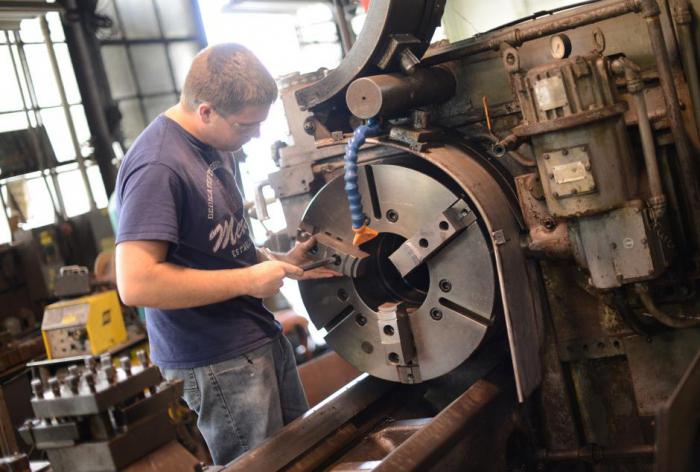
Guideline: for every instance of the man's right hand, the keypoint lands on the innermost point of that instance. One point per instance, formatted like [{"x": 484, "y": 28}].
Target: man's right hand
[{"x": 267, "y": 277}]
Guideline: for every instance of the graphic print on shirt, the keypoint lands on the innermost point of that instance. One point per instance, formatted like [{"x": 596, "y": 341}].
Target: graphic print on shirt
[{"x": 229, "y": 233}]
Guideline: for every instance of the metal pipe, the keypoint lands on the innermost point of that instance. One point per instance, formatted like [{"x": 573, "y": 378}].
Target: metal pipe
[
  {"x": 688, "y": 177},
  {"x": 683, "y": 18},
  {"x": 91, "y": 100},
  {"x": 429, "y": 442},
  {"x": 66, "y": 109},
  {"x": 596, "y": 454},
  {"x": 58, "y": 205},
  {"x": 672, "y": 321},
  {"x": 635, "y": 86},
  {"x": 518, "y": 35}
]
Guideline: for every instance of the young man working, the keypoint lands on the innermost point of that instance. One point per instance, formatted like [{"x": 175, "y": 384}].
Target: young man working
[{"x": 184, "y": 251}]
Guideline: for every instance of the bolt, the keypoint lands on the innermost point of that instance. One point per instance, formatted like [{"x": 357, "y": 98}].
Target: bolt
[
  {"x": 38, "y": 388},
  {"x": 110, "y": 374},
  {"x": 555, "y": 194},
  {"x": 574, "y": 191},
  {"x": 142, "y": 357},
  {"x": 436, "y": 314},
  {"x": 73, "y": 370},
  {"x": 105, "y": 360},
  {"x": 392, "y": 215},
  {"x": 565, "y": 152},
  {"x": 551, "y": 175},
  {"x": 587, "y": 166},
  {"x": 90, "y": 364},
  {"x": 309, "y": 126},
  {"x": 546, "y": 156},
  {"x": 549, "y": 223},
  {"x": 72, "y": 382},
  {"x": 55, "y": 387},
  {"x": 360, "y": 320},
  {"x": 90, "y": 380},
  {"x": 445, "y": 285},
  {"x": 126, "y": 364}
]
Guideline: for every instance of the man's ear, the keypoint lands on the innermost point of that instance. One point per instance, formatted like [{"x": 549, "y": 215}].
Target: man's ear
[{"x": 205, "y": 112}]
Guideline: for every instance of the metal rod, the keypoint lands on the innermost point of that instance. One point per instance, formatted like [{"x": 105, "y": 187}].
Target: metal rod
[
  {"x": 596, "y": 454},
  {"x": 58, "y": 205},
  {"x": 428, "y": 443},
  {"x": 688, "y": 177},
  {"x": 299, "y": 437},
  {"x": 91, "y": 101},
  {"x": 684, "y": 19},
  {"x": 66, "y": 109}
]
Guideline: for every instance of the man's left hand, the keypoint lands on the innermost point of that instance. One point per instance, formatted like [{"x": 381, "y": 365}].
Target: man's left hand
[{"x": 298, "y": 256}]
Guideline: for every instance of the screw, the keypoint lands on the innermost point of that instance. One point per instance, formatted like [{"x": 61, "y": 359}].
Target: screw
[
  {"x": 549, "y": 223},
  {"x": 565, "y": 152},
  {"x": 436, "y": 314},
  {"x": 555, "y": 194},
  {"x": 392, "y": 215},
  {"x": 445, "y": 285},
  {"x": 73, "y": 370},
  {"x": 309, "y": 126},
  {"x": 360, "y": 320},
  {"x": 546, "y": 156}
]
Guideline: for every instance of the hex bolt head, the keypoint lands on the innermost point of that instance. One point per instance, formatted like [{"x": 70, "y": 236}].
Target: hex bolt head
[
  {"x": 73, "y": 370},
  {"x": 436, "y": 314},
  {"x": 445, "y": 285},
  {"x": 38, "y": 388},
  {"x": 361, "y": 320}
]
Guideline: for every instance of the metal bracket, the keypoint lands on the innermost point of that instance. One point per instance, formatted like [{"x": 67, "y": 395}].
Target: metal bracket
[
  {"x": 397, "y": 340},
  {"x": 431, "y": 237}
]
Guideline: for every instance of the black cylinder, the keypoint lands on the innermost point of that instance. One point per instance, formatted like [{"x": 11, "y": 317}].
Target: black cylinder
[{"x": 390, "y": 95}]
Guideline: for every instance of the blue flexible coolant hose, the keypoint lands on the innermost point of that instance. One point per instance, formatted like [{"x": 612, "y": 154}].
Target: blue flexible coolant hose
[{"x": 354, "y": 198}]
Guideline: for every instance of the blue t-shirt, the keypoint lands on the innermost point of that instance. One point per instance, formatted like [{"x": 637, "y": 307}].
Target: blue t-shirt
[{"x": 172, "y": 187}]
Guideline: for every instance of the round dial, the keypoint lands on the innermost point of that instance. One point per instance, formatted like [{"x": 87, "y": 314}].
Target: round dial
[{"x": 560, "y": 46}]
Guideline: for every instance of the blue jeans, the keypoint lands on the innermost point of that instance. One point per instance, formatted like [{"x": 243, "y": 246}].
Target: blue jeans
[{"x": 242, "y": 401}]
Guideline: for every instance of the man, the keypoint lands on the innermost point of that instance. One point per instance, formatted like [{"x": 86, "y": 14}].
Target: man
[{"x": 184, "y": 251}]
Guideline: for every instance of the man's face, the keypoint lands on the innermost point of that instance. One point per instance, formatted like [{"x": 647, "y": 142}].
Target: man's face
[{"x": 229, "y": 133}]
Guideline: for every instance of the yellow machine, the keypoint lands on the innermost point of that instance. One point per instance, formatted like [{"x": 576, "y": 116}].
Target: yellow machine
[{"x": 91, "y": 324}]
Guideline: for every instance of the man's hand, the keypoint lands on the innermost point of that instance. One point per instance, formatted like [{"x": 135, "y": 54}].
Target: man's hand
[
  {"x": 297, "y": 256},
  {"x": 267, "y": 277}
]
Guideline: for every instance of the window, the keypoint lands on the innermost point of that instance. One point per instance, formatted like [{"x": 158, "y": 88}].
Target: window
[
  {"x": 42, "y": 137},
  {"x": 146, "y": 53}
]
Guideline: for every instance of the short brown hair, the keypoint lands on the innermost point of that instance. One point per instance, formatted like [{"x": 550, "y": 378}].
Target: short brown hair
[{"x": 229, "y": 77}]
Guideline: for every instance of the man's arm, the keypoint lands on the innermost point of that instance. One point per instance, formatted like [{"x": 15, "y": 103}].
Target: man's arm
[{"x": 144, "y": 278}]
